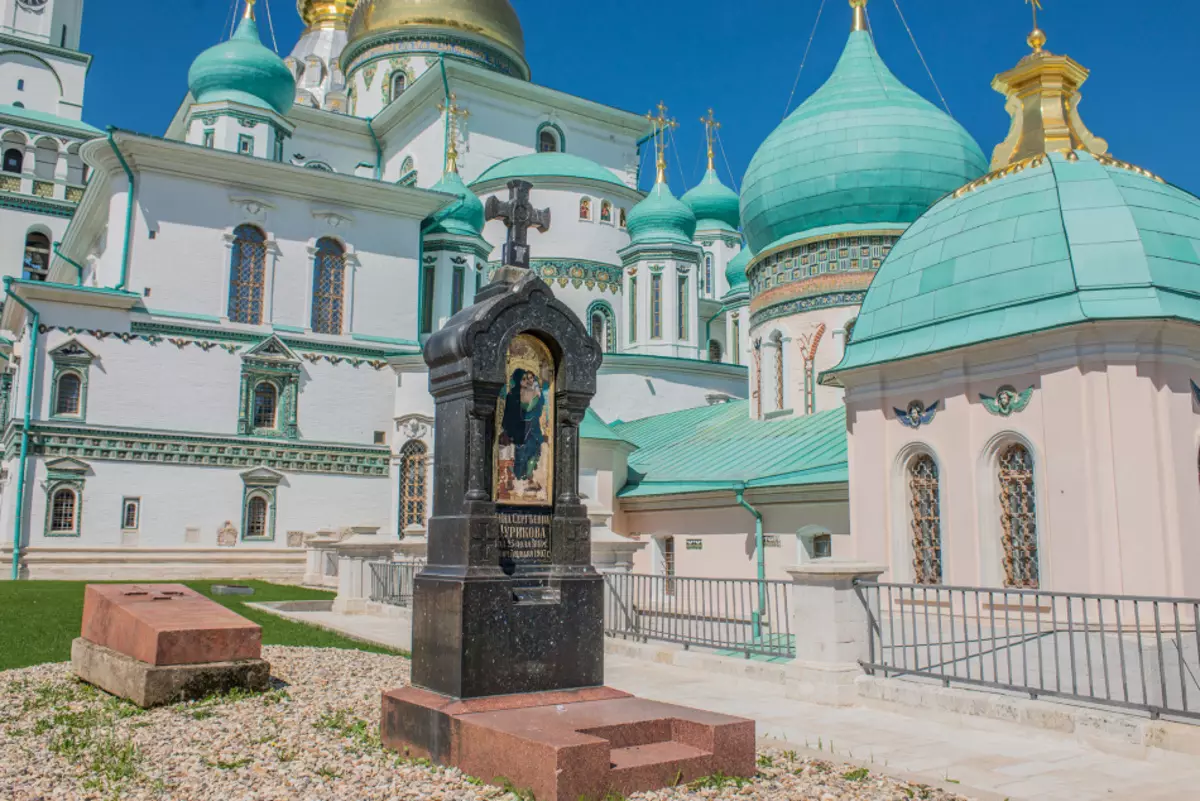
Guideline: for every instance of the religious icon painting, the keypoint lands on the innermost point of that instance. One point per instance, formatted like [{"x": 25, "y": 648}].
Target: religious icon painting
[
  {"x": 585, "y": 209},
  {"x": 606, "y": 212},
  {"x": 524, "y": 447}
]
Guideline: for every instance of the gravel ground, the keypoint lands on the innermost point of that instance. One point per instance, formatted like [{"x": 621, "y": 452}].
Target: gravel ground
[{"x": 314, "y": 738}]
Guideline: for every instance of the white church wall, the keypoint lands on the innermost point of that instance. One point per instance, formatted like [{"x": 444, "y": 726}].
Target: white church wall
[
  {"x": 570, "y": 236},
  {"x": 631, "y": 387},
  {"x": 421, "y": 136},
  {"x": 15, "y": 226},
  {"x": 796, "y": 333},
  {"x": 328, "y": 138}
]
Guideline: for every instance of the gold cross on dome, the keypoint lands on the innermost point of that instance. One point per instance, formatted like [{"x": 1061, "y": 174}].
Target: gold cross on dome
[
  {"x": 453, "y": 115},
  {"x": 1037, "y": 39},
  {"x": 661, "y": 125},
  {"x": 711, "y": 126}
]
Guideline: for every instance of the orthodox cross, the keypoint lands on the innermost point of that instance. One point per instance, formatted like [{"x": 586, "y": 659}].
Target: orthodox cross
[
  {"x": 1036, "y": 39},
  {"x": 453, "y": 115},
  {"x": 518, "y": 215},
  {"x": 662, "y": 126},
  {"x": 711, "y": 126}
]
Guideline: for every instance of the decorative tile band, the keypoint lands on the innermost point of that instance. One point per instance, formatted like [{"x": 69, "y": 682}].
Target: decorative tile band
[
  {"x": 130, "y": 445},
  {"x": 579, "y": 274},
  {"x": 800, "y": 305}
]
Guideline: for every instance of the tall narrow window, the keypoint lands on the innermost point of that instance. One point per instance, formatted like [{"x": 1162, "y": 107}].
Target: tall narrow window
[
  {"x": 926, "y": 520},
  {"x": 63, "y": 511},
  {"x": 633, "y": 310},
  {"x": 598, "y": 327},
  {"x": 656, "y": 306},
  {"x": 706, "y": 279},
  {"x": 777, "y": 341},
  {"x": 427, "y": 300},
  {"x": 412, "y": 484},
  {"x": 266, "y": 398},
  {"x": 668, "y": 552},
  {"x": 399, "y": 84},
  {"x": 329, "y": 278},
  {"x": 683, "y": 307},
  {"x": 457, "y": 286},
  {"x": 14, "y": 160},
  {"x": 735, "y": 339},
  {"x": 36, "y": 264},
  {"x": 1018, "y": 517},
  {"x": 68, "y": 394},
  {"x": 130, "y": 513},
  {"x": 247, "y": 269},
  {"x": 256, "y": 516}
]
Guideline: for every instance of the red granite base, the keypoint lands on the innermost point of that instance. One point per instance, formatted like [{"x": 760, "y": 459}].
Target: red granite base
[{"x": 568, "y": 745}]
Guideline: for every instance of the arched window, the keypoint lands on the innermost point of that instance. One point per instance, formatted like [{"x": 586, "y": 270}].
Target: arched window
[
  {"x": 585, "y": 208},
  {"x": 246, "y": 270},
  {"x": 36, "y": 265},
  {"x": 547, "y": 141},
  {"x": 735, "y": 339},
  {"x": 63, "y": 507},
  {"x": 1018, "y": 517},
  {"x": 256, "y": 516},
  {"x": 399, "y": 84},
  {"x": 777, "y": 344},
  {"x": 329, "y": 276},
  {"x": 68, "y": 394},
  {"x": 413, "y": 458},
  {"x": 714, "y": 350},
  {"x": 266, "y": 399},
  {"x": 706, "y": 277},
  {"x": 605, "y": 211},
  {"x": 925, "y": 519},
  {"x": 14, "y": 159}
]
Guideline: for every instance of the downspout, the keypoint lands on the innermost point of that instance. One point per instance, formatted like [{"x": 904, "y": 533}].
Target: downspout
[
  {"x": 78, "y": 267},
  {"x": 378, "y": 151},
  {"x": 446, "y": 89},
  {"x": 758, "y": 616},
  {"x": 421, "y": 282},
  {"x": 31, "y": 356},
  {"x": 128, "y": 210}
]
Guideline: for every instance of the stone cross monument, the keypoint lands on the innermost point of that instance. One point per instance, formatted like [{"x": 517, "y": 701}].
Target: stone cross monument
[{"x": 519, "y": 215}]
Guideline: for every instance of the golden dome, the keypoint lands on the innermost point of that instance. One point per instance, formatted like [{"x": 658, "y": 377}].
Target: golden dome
[
  {"x": 492, "y": 19},
  {"x": 325, "y": 13}
]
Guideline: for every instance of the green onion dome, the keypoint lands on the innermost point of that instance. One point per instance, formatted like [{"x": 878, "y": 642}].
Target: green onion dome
[
  {"x": 463, "y": 217},
  {"x": 661, "y": 218},
  {"x": 735, "y": 271},
  {"x": 714, "y": 204},
  {"x": 862, "y": 149},
  {"x": 243, "y": 71},
  {"x": 1048, "y": 241}
]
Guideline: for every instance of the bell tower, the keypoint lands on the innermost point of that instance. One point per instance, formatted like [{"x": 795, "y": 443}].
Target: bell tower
[{"x": 51, "y": 22}]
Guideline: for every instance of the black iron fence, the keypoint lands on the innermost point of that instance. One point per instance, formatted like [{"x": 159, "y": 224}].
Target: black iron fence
[
  {"x": 1120, "y": 650},
  {"x": 392, "y": 582},
  {"x": 745, "y": 617}
]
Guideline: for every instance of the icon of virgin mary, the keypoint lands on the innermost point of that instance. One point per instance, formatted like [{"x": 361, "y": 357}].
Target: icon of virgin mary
[{"x": 522, "y": 423}]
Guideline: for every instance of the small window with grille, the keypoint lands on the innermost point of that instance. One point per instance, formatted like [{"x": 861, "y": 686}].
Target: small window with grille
[{"x": 131, "y": 513}]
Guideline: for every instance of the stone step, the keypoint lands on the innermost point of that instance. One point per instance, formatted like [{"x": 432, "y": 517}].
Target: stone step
[{"x": 655, "y": 765}]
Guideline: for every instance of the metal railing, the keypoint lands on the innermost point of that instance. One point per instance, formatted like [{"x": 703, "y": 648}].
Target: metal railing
[
  {"x": 1119, "y": 650},
  {"x": 740, "y": 616},
  {"x": 392, "y": 582}
]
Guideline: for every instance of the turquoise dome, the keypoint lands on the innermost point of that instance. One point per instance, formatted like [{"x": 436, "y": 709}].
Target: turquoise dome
[
  {"x": 1052, "y": 241},
  {"x": 863, "y": 148},
  {"x": 714, "y": 204},
  {"x": 464, "y": 218},
  {"x": 548, "y": 165},
  {"x": 735, "y": 271},
  {"x": 661, "y": 218},
  {"x": 244, "y": 71}
]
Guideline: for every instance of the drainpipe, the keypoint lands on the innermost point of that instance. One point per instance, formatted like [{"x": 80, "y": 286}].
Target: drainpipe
[
  {"x": 446, "y": 89},
  {"x": 378, "y": 151},
  {"x": 758, "y": 616},
  {"x": 708, "y": 324},
  {"x": 638, "y": 175},
  {"x": 31, "y": 356},
  {"x": 128, "y": 210},
  {"x": 78, "y": 267}
]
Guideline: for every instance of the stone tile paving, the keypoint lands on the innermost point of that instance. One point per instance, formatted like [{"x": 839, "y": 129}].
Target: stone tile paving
[{"x": 312, "y": 738}]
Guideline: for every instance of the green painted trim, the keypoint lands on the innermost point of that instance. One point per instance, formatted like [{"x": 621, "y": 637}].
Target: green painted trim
[
  {"x": 284, "y": 377},
  {"x": 650, "y": 357},
  {"x": 31, "y": 362},
  {"x": 537, "y": 136},
  {"x": 81, "y": 373},
  {"x": 128, "y": 209},
  {"x": 6, "y": 382},
  {"x": 610, "y": 332},
  {"x": 287, "y": 329},
  {"x": 384, "y": 340},
  {"x": 757, "y": 616},
  {"x": 378, "y": 166},
  {"x": 48, "y": 207},
  {"x": 250, "y": 491},
  {"x": 78, "y": 267},
  {"x": 45, "y": 47},
  {"x": 97, "y": 290},
  {"x": 157, "y": 446},
  {"x": 75, "y": 484},
  {"x": 48, "y": 123},
  {"x": 438, "y": 243},
  {"x": 206, "y": 338}
]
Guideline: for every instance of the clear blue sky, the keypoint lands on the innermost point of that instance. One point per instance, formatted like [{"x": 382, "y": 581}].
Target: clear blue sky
[{"x": 741, "y": 58}]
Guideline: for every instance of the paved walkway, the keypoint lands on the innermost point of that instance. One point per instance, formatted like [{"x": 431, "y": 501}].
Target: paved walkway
[{"x": 985, "y": 758}]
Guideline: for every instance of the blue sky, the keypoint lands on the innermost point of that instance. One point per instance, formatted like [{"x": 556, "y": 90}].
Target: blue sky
[{"x": 742, "y": 58}]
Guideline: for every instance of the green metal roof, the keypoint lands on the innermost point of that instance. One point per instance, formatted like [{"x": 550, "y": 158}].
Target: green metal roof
[
  {"x": 43, "y": 118},
  {"x": 661, "y": 218},
  {"x": 1070, "y": 240},
  {"x": 719, "y": 447},
  {"x": 241, "y": 69},
  {"x": 735, "y": 271},
  {"x": 464, "y": 217},
  {"x": 548, "y": 165},
  {"x": 714, "y": 204},
  {"x": 864, "y": 148},
  {"x": 594, "y": 427}
]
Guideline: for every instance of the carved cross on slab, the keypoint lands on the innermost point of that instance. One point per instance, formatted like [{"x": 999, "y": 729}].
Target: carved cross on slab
[{"x": 519, "y": 215}]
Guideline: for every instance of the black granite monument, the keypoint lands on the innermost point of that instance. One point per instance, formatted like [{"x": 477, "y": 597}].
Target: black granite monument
[{"x": 509, "y": 601}]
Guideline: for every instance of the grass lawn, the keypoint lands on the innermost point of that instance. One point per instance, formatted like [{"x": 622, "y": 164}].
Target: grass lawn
[{"x": 38, "y": 619}]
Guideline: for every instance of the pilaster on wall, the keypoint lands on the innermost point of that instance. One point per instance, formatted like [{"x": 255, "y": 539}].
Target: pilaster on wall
[{"x": 656, "y": 280}]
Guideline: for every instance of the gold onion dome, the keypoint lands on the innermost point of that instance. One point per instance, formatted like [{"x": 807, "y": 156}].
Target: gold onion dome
[
  {"x": 493, "y": 20},
  {"x": 325, "y": 13}
]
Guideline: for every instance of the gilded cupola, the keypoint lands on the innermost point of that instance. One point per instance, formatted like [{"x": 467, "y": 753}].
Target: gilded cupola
[{"x": 326, "y": 13}]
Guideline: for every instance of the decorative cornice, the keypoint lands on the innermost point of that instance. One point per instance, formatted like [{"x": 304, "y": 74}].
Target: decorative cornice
[
  {"x": 37, "y": 205},
  {"x": 806, "y": 304},
  {"x": 578, "y": 273}
]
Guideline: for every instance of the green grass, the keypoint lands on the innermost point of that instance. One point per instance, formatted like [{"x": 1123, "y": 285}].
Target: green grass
[{"x": 38, "y": 619}]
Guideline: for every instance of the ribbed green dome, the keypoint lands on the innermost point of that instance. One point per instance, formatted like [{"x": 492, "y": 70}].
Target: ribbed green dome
[
  {"x": 863, "y": 148},
  {"x": 1066, "y": 239},
  {"x": 464, "y": 218},
  {"x": 661, "y": 218},
  {"x": 548, "y": 165},
  {"x": 244, "y": 71},
  {"x": 714, "y": 204},
  {"x": 735, "y": 271}
]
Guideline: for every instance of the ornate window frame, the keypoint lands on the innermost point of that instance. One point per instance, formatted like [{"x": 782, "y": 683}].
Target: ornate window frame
[
  {"x": 683, "y": 318},
  {"x": 610, "y": 323},
  {"x": 418, "y": 428},
  {"x": 350, "y": 265},
  {"x": 991, "y": 530},
  {"x": 558, "y": 135},
  {"x": 65, "y": 474},
  {"x": 70, "y": 358},
  {"x": 656, "y": 302},
  {"x": 254, "y": 211},
  {"x": 274, "y": 362},
  {"x": 260, "y": 482},
  {"x": 136, "y": 503}
]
